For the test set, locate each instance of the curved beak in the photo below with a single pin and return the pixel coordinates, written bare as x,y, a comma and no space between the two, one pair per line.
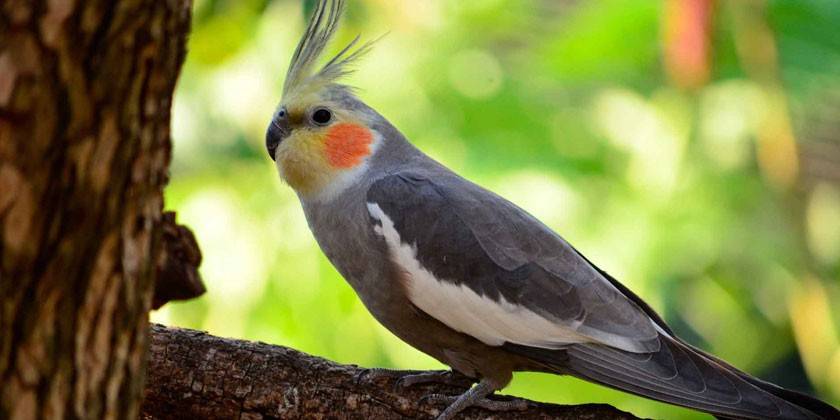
277,131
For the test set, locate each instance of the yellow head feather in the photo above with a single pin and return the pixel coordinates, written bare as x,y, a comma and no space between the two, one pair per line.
302,79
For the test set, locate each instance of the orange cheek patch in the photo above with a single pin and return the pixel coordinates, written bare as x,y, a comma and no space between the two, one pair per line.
347,144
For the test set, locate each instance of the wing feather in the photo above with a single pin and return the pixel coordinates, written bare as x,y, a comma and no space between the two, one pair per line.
487,268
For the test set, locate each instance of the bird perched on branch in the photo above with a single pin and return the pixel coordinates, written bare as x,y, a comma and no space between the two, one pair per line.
468,277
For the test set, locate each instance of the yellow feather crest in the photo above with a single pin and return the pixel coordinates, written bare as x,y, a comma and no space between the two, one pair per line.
321,28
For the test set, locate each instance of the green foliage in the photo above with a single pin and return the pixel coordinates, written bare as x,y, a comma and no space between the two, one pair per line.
564,109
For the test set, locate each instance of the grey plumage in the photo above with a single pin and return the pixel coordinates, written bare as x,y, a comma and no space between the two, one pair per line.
497,249
470,278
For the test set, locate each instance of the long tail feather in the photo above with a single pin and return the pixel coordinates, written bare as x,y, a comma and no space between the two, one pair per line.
805,401
682,375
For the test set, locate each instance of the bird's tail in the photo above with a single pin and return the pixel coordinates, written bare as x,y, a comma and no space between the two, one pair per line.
682,375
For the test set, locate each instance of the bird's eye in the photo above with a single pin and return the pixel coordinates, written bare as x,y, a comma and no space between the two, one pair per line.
322,116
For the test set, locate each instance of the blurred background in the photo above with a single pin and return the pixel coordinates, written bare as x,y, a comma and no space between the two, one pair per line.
691,148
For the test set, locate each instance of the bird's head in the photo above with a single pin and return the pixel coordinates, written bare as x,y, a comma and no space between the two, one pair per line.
321,135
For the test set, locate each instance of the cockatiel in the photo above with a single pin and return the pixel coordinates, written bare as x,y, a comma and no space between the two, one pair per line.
470,278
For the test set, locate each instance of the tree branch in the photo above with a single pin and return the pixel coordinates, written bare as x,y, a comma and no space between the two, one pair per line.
177,264
195,375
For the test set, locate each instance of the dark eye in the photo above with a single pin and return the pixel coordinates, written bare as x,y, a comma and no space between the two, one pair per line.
322,116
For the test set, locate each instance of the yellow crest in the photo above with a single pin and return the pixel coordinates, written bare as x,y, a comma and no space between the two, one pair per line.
302,78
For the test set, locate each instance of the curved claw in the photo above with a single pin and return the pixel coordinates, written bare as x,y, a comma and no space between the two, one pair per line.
445,377
359,377
372,374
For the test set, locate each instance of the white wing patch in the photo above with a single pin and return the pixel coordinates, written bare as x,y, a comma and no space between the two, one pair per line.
464,310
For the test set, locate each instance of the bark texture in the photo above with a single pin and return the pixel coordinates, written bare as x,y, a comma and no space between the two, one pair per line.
85,93
177,264
196,375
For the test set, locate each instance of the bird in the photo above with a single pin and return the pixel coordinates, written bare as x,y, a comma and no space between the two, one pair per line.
466,276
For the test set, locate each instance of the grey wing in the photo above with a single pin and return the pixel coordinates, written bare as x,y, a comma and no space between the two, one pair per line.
487,268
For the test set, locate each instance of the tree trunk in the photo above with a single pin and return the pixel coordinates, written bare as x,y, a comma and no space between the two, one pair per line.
193,375
85,94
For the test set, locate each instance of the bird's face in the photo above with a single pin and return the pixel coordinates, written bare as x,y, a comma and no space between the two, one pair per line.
320,139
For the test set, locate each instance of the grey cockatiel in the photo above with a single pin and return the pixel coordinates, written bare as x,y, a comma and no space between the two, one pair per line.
470,278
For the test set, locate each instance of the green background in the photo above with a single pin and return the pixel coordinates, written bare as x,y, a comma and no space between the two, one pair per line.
571,109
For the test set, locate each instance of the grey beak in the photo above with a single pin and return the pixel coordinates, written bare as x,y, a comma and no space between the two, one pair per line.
277,131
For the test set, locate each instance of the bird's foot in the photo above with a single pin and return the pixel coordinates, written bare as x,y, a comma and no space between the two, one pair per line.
476,396
374,374
405,379
485,403
445,377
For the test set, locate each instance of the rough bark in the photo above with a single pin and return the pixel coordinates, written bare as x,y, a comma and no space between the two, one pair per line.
177,264
196,375
85,93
